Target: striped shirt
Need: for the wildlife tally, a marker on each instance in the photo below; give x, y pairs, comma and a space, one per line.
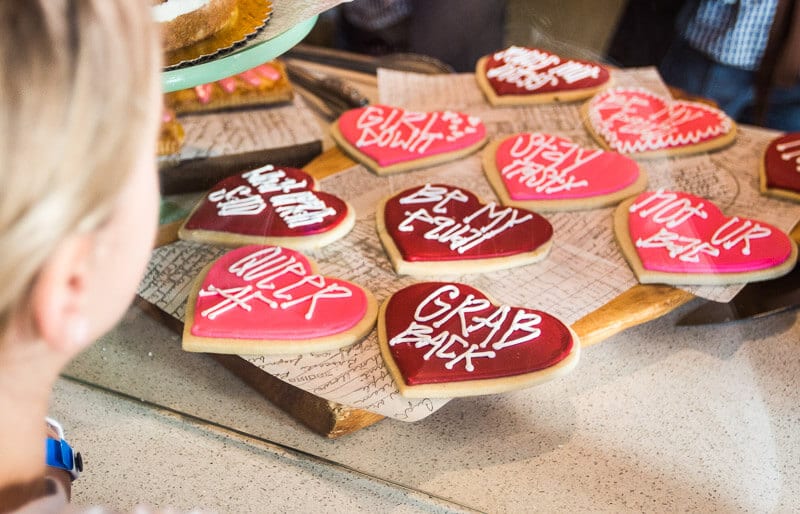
732, 32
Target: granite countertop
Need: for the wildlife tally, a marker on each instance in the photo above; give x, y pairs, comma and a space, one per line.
657, 418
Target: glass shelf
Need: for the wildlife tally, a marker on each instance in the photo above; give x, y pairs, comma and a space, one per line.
236, 62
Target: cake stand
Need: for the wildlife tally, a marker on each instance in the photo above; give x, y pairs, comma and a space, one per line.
240, 60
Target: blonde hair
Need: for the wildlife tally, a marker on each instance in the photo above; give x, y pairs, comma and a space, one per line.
77, 79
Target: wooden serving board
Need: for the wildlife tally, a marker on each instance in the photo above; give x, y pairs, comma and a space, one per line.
635, 306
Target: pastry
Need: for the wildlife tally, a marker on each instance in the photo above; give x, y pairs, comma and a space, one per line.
263, 85
185, 22
677, 238
522, 75
551, 173
389, 139
639, 123
780, 167
269, 205
260, 300
439, 229
170, 135
445, 340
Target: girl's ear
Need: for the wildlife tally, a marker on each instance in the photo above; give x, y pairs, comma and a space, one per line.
59, 300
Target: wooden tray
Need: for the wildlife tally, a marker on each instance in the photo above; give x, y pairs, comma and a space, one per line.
635, 306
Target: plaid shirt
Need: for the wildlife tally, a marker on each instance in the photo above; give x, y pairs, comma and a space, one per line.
732, 32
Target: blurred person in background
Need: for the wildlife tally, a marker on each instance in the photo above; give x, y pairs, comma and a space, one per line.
455, 32
744, 55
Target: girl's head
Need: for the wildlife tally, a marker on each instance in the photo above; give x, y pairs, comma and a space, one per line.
79, 109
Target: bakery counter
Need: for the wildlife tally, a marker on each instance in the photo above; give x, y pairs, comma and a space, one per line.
658, 418
655, 418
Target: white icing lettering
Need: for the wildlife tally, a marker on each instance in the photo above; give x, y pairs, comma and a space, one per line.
525, 322
788, 156
544, 164
736, 231
413, 132
329, 291
232, 298
301, 209
668, 210
451, 291
239, 201
467, 356
268, 180
684, 248
461, 236
572, 71
637, 121
448, 303
429, 194
260, 270
265, 262
533, 69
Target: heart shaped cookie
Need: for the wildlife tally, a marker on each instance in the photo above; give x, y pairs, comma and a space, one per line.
642, 124
390, 139
269, 205
441, 229
522, 75
780, 167
677, 238
444, 340
261, 300
546, 172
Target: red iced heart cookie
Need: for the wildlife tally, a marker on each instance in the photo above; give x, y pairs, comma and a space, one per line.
546, 172
390, 139
780, 167
259, 300
640, 123
677, 238
441, 229
520, 75
269, 205
445, 340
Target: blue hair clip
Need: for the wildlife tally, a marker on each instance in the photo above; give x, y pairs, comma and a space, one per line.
59, 453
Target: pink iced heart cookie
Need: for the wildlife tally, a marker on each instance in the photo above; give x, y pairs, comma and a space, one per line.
269, 205
443, 340
441, 229
522, 75
780, 167
642, 124
546, 172
677, 238
390, 139
259, 300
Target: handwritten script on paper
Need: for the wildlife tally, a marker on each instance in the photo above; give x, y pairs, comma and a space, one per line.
584, 270
237, 132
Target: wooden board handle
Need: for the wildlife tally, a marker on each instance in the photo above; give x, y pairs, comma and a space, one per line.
330, 162
637, 305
